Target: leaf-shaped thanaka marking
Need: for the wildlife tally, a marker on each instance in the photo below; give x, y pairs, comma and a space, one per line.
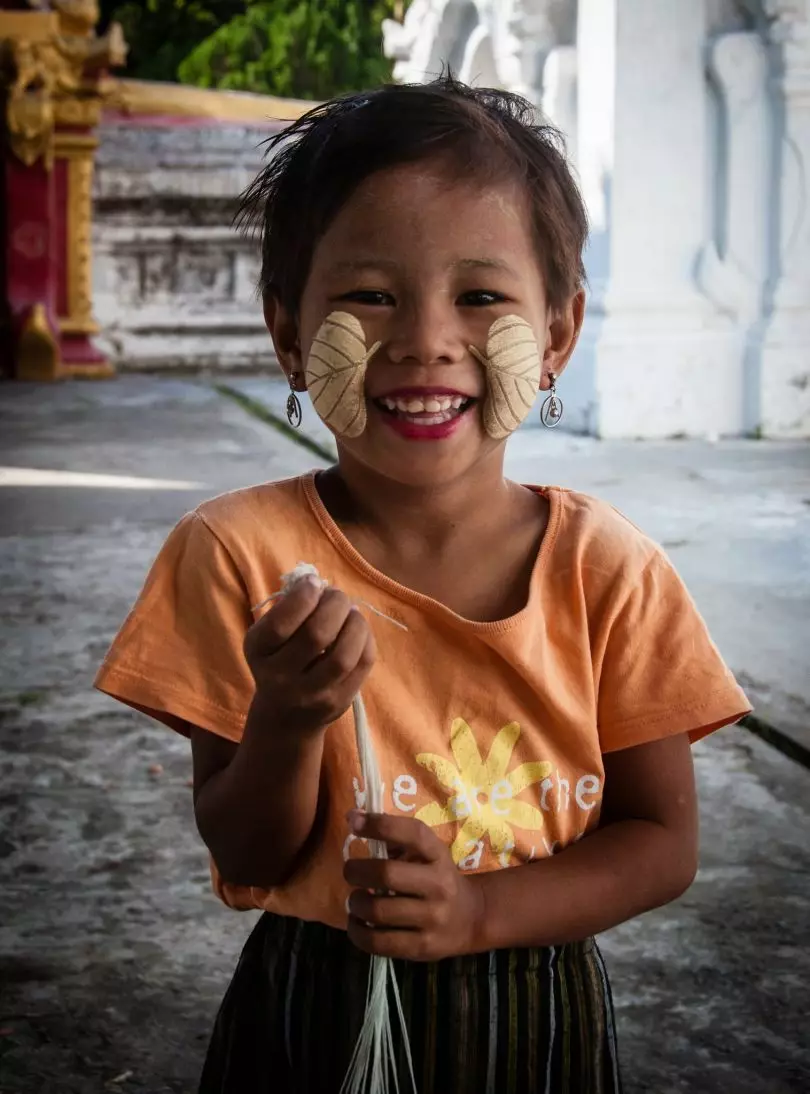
513, 369
336, 373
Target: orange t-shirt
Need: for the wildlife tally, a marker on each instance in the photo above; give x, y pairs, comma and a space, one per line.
491, 733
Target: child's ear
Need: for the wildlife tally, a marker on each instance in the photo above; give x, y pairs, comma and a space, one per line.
562, 334
283, 329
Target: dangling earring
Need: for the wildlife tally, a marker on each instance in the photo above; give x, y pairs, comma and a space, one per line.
551, 411
294, 412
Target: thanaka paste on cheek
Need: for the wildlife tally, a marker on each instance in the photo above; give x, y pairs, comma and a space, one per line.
338, 359
513, 369
336, 373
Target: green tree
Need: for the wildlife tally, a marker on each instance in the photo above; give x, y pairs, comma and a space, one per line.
161, 33
307, 49
304, 49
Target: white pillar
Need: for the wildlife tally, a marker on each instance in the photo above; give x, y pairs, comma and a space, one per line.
736, 265
785, 372
734, 274
593, 155
596, 100
559, 102
662, 357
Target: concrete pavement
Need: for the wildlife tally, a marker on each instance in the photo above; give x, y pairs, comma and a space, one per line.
113, 953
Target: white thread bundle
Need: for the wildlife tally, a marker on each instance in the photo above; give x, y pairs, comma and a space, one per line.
373, 1065
305, 569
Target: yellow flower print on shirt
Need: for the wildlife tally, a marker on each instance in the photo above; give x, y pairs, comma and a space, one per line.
484, 796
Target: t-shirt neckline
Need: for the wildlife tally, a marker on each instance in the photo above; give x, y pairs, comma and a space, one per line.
410, 596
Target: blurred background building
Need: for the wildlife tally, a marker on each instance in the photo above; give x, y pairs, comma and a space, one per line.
688, 124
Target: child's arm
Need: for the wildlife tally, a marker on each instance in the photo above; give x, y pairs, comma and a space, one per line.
643, 856
256, 803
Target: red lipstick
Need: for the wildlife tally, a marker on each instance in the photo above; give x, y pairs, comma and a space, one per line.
414, 431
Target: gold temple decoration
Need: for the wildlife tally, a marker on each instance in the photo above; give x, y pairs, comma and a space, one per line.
55, 82
52, 64
55, 57
37, 349
78, 149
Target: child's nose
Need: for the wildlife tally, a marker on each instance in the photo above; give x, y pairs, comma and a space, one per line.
426, 334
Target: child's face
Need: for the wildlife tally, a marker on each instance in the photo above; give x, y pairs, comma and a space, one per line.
426, 265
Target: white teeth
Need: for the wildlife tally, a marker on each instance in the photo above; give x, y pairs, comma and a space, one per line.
434, 419
431, 404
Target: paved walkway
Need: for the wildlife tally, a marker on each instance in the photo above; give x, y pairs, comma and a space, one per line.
113, 954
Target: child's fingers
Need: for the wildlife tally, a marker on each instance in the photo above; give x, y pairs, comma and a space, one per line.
418, 842
413, 879
269, 633
318, 637
402, 912
315, 634
353, 649
396, 942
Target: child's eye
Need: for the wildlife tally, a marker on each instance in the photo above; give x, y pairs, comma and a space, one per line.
370, 296
480, 298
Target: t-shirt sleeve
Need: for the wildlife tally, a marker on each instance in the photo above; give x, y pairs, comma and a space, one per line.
178, 656
661, 673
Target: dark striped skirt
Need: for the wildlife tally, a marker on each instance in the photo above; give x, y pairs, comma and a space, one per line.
506, 1022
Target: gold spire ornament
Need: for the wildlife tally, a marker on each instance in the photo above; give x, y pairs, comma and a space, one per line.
55, 56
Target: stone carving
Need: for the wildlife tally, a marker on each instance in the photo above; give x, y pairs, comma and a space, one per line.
399, 38
559, 102
790, 18
500, 42
785, 383
175, 284
408, 43
738, 65
190, 269
790, 29
529, 35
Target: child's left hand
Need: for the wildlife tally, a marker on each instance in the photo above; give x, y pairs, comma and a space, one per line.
435, 909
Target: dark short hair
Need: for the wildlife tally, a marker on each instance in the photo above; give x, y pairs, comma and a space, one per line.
315, 164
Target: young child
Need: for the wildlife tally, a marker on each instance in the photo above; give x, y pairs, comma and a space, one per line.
541, 674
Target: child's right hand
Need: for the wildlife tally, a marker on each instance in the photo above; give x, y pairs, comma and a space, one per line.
309, 656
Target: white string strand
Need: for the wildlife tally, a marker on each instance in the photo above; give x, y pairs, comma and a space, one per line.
304, 569
372, 1069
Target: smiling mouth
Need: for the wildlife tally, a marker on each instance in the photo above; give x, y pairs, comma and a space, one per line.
427, 409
